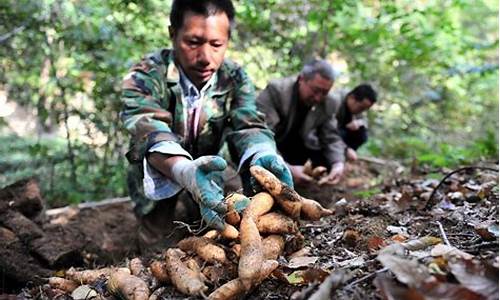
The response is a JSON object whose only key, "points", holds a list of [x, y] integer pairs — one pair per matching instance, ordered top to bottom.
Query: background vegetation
{"points": [[435, 64]]}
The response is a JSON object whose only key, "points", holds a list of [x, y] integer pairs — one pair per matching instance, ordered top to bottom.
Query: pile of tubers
{"points": [[233, 261]]}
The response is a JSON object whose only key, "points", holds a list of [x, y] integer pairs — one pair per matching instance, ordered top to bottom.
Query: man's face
{"points": [[200, 45], [314, 90], [356, 107]]}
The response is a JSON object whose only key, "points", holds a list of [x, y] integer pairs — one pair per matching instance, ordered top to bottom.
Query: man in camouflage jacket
{"points": [[180, 106]]}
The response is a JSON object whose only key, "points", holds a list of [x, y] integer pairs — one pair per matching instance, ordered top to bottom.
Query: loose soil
{"points": [[375, 206]]}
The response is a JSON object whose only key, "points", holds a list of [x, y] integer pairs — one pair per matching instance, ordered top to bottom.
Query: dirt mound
{"points": [[352, 254]]}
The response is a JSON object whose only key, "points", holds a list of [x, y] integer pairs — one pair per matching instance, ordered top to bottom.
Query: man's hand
{"points": [[354, 125], [351, 154], [274, 164], [335, 174], [299, 177], [202, 178]]}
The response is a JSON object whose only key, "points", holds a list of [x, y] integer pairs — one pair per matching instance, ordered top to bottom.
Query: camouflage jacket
{"points": [[154, 111], [319, 130]]}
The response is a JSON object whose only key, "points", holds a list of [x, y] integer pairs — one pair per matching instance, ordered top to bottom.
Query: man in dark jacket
{"points": [[301, 113], [352, 123]]}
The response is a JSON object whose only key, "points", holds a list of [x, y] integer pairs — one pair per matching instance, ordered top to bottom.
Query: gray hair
{"points": [[318, 66]]}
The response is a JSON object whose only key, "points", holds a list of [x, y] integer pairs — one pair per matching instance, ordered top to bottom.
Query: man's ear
{"points": [[171, 32], [300, 78]]}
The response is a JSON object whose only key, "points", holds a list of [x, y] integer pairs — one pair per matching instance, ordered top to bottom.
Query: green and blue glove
{"points": [[275, 164], [202, 178]]}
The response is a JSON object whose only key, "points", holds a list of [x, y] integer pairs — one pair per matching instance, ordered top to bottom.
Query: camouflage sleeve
{"points": [[144, 114], [249, 134]]}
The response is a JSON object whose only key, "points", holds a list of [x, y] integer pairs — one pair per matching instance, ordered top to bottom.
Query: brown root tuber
{"points": [[287, 198], [261, 203], [312, 210], [232, 216], [276, 223], [230, 232], [273, 245], [205, 248], [252, 254], [159, 271], [90, 276], [183, 278], [62, 284], [128, 286], [235, 289]]}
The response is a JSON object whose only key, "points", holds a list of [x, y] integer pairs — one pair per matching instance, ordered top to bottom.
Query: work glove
{"points": [[274, 164], [202, 178]]}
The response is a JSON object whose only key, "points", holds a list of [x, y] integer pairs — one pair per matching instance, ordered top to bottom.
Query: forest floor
{"points": [[449, 242]]}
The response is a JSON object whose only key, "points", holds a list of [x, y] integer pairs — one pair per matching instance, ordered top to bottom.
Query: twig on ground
{"points": [[429, 202], [443, 234], [481, 245], [365, 277], [330, 284]]}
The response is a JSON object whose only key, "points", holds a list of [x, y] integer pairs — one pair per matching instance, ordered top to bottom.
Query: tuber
{"points": [[287, 198], [235, 203], [261, 203], [312, 210], [276, 223], [273, 246], [204, 247], [251, 253], [159, 271], [90, 276], [183, 278], [62, 284], [128, 286], [235, 288]]}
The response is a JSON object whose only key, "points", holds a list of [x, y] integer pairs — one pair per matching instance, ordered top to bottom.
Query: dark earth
{"points": [[378, 204]]}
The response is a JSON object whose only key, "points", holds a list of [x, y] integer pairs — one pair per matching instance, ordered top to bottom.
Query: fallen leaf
{"points": [[397, 229], [487, 230], [351, 237], [399, 238], [375, 243], [421, 243], [449, 251], [302, 252], [301, 261], [353, 262], [407, 271], [476, 276], [300, 277], [330, 283], [390, 290], [431, 290], [436, 290], [84, 292]]}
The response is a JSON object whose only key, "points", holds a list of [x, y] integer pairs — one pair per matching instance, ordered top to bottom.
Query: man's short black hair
{"points": [[200, 7], [363, 91]]}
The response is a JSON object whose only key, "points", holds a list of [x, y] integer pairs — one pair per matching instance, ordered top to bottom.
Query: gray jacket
{"points": [[319, 130]]}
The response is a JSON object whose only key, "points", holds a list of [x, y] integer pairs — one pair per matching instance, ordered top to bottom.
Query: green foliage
{"points": [[434, 63], [436, 153], [47, 160], [367, 193]]}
